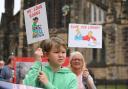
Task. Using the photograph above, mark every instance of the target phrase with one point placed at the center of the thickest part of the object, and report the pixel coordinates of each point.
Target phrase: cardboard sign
(85, 36)
(36, 23)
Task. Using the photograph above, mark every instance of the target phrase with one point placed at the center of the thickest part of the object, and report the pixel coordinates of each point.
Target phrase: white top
(80, 82)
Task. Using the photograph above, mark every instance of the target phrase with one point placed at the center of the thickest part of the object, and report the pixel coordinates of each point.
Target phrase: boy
(51, 76)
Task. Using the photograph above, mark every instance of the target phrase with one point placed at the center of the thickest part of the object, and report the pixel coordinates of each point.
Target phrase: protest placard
(85, 36)
(36, 23)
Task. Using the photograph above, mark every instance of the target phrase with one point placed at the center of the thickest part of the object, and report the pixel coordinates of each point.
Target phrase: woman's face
(76, 62)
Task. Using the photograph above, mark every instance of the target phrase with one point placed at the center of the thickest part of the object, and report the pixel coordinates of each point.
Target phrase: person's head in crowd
(10, 61)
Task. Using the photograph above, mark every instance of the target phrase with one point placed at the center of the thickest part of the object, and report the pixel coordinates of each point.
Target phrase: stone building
(110, 61)
(8, 35)
(12, 33)
(106, 63)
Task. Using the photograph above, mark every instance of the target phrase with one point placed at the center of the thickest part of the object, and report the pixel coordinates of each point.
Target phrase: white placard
(36, 23)
(85, 36)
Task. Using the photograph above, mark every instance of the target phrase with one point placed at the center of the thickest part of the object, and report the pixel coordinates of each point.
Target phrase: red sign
(31, 59)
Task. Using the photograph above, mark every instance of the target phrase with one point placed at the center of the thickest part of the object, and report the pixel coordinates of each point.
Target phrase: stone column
(20, 44)
(21, 33)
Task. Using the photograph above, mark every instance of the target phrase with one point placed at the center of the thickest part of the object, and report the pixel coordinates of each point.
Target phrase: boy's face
(57, 56)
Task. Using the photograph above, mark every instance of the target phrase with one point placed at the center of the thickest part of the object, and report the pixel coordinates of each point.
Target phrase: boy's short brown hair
(57, 42)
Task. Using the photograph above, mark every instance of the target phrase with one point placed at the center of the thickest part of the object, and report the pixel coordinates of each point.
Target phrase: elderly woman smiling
(78, 66)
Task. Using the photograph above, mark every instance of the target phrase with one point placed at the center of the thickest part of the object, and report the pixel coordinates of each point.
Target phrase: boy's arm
(32, 75)
(44, 80)
(73, 83)
(50, 86)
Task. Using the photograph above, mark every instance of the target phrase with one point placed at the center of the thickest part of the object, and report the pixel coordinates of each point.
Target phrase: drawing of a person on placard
(90, 38)
(78, 35)
(36, 28)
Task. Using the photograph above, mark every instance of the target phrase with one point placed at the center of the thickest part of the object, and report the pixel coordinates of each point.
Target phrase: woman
(78, 66)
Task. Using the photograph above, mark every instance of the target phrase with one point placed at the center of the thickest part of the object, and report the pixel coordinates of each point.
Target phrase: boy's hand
(43, 78)
(38, 54)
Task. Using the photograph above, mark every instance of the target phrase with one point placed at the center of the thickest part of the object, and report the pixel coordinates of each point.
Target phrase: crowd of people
(53, 75)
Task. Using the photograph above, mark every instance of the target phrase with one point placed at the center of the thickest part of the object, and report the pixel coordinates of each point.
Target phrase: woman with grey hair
(78, 66)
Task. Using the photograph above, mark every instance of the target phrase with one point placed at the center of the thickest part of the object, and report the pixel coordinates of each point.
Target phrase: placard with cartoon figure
(85, 36)
(36, 23)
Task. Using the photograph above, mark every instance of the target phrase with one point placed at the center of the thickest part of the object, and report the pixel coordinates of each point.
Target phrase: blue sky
(16, 6)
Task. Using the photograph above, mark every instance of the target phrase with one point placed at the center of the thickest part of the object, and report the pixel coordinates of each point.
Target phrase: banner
(6, 85)
(23, 64)
(36, 23)
(85, 36)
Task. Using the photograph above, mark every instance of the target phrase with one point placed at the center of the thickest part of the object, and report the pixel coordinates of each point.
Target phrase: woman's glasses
(76, 59)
